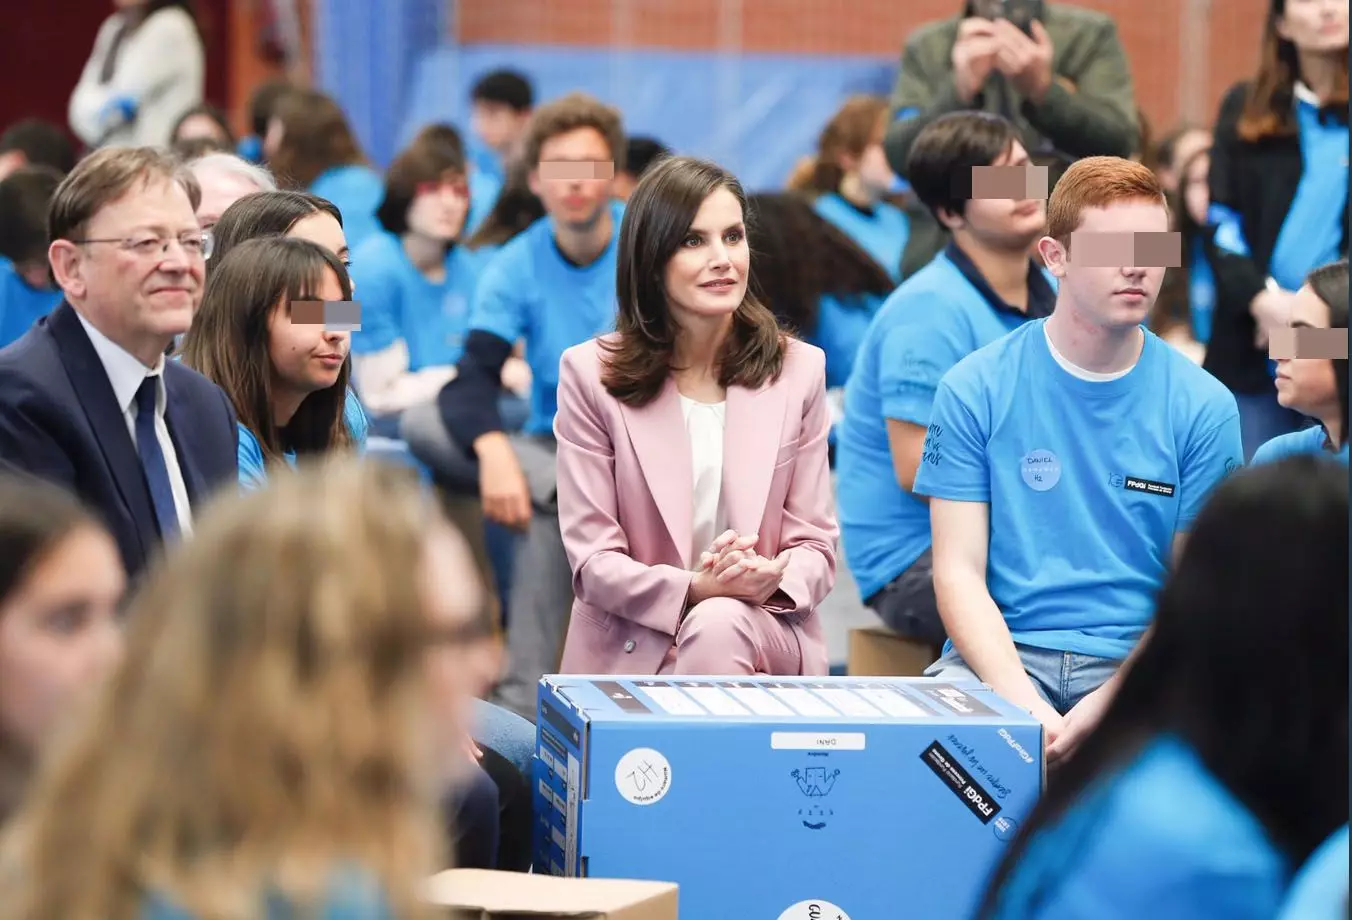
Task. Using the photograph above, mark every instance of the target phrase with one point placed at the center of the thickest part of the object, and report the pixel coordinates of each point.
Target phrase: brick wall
(1180, 68)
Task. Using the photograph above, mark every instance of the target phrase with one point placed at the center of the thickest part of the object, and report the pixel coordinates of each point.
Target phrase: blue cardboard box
(784, 798)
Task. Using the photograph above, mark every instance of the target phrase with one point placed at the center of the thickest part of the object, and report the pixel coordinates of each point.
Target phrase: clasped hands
(731, 567)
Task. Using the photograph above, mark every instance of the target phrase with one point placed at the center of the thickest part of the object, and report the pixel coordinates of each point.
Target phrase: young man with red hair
(1065, 461)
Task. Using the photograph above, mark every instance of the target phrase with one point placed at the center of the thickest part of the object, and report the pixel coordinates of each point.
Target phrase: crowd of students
(662, 418)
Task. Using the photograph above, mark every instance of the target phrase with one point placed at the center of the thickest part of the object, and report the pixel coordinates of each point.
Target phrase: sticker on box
(814, 910)
(643, 776)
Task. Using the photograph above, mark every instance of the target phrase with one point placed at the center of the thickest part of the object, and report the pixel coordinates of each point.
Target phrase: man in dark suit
(87, 398)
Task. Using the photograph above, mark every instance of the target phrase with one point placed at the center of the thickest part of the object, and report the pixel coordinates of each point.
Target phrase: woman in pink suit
(694, 491)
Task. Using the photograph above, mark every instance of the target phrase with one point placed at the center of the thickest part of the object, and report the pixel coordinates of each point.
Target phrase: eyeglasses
(195, 243)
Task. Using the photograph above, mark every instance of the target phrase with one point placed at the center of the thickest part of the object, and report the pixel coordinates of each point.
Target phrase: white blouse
(704, 425)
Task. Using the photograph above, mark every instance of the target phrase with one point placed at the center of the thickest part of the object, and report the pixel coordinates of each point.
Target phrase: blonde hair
(269, 725)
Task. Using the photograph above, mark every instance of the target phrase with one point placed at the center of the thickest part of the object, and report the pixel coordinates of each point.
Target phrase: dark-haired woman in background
(147, 68)
(1279, 187)
(204, 122)
(850, 181)
(815, 279)
(1194, 795)
(1186, 303)
(1315, 387)
(310, 146)
(284, 371)
(291, 214)
(694, 489)
(61, 587)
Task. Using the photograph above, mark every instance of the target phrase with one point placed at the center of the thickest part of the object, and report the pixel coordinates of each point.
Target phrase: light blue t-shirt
(1306, 441)
(399, 302)
(935, 319)
(1312, 232)
(1088, 482)
(21, 305)
(483, 194)
(841, 325)
(357, 191)
(1201, 292)
(882, 234)
(253, 471)
(529, 290)
(1320, 889)
(353, 894)
(1160, 839)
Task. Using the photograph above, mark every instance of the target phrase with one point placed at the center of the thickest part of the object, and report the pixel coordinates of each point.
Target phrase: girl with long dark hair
(1315, 387)
(1279, 190)
(1202, 788)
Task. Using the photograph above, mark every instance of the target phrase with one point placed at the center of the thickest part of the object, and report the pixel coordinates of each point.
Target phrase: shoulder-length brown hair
(1269, 107)
(656, 220)
(228, 342)
(316, 137)
(268, 730)
(857, 124)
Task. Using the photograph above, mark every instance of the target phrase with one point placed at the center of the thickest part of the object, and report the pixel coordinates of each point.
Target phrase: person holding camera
(1057, 71)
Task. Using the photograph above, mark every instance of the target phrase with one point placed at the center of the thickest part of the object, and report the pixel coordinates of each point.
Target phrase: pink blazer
(626, 507)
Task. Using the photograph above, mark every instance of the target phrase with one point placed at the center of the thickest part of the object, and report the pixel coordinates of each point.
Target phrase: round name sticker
(1041, 470)
(814, 910)
(643, 776)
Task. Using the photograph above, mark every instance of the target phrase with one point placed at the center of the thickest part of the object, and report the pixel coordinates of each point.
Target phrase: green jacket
(1097, 118)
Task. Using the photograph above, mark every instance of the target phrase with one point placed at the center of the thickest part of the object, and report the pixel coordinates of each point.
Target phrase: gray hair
(232, 165)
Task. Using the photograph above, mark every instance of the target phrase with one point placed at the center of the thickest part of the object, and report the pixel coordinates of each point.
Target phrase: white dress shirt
(704, 425)
(126, 373)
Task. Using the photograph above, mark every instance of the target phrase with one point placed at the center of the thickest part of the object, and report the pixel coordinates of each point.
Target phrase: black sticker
(562, 725)
(955, 700)
(621, 697)
(945, 766)
(1149, 486)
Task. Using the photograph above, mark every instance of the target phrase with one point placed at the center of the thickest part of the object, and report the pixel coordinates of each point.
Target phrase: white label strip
(674, 701)
(847, 702)
(759, 702)
(804, 702)
(715, 700)
(894, 704)
(817, 741)
(570, 828)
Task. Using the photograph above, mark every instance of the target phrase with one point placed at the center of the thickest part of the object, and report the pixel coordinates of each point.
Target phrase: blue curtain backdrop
(394, 69)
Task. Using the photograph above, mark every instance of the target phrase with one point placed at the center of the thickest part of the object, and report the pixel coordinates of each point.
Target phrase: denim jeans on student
(1061, 678)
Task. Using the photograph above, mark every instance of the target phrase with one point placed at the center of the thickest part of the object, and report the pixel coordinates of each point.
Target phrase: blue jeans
(1061, 678)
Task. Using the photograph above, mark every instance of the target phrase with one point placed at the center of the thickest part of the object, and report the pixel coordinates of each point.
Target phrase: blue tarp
(754, 114)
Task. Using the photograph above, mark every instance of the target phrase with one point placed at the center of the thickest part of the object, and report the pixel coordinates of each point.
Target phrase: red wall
(40, 69)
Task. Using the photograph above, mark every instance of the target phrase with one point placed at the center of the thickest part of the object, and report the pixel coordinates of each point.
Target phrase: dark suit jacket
(60, 421)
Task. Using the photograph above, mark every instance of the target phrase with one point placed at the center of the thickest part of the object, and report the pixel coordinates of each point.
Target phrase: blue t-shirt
(399, 303)
(1306, 441)
(1201, 292)
(1160, 838)
(357, 191)
(530, 290)
(1312, 232)
(353, 894)
(483, 194)
(841, 325)
(882, 234)
(21, 305)
(1088, 482)
(935, 319)
(253, 471)
(1319, 891)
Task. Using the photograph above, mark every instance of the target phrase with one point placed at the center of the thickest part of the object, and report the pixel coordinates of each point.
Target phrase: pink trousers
(725, 637)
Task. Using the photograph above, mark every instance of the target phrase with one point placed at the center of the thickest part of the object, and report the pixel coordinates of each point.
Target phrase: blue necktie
(152, 459)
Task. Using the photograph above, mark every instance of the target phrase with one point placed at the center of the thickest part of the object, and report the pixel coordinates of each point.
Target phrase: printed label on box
(643, 776)
(980, 802)
(814, 910)
(957, 701)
